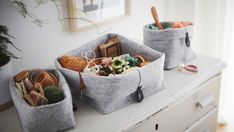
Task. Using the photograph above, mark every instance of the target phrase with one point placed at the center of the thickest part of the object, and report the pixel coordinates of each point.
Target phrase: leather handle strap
(139, 95)
(187, 39)
(82, 86)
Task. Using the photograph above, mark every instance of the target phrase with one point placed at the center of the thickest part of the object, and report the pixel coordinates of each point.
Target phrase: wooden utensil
(155, 16)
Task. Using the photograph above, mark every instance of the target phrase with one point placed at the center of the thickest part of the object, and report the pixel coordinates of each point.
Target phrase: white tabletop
(88, 120)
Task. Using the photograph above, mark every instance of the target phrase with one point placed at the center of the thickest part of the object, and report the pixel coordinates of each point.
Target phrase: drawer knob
(205, 101)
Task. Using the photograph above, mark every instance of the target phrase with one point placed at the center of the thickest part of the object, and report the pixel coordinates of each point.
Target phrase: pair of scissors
(190, 68)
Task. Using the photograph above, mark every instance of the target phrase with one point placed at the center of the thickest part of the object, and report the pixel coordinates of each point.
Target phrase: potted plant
(5, 68)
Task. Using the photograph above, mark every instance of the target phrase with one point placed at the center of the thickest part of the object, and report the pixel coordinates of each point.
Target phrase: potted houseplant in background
(5, 68)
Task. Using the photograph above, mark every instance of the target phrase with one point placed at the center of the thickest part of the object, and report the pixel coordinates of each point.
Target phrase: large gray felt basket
(172, 43)
(107, 94)
(45, 118)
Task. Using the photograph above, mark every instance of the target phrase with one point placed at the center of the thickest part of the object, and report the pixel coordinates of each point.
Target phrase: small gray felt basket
(107, 94)
(45, 118)
(172, 42)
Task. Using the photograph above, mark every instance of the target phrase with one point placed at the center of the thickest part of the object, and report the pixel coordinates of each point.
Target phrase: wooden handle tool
(155, 16)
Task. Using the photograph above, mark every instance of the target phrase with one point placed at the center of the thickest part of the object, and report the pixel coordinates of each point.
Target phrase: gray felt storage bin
(45, 118)
(172, 43)
(107, 94)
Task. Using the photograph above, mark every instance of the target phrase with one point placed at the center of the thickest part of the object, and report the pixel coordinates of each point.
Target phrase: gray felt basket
(172, 43)
(107, 94)
(45, 118)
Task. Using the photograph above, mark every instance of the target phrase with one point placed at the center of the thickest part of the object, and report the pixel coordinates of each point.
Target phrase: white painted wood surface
(179, 84)
(184, 112)
(205, 124)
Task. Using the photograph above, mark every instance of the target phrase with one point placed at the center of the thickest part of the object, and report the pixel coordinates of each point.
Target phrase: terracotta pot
(5, 74)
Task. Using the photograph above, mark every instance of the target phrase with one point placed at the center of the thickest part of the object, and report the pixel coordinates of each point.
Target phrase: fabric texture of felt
(107, 94)
(45, 118)
(171, 42)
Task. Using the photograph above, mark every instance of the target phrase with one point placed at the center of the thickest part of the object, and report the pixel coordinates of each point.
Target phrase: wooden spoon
(155, 16)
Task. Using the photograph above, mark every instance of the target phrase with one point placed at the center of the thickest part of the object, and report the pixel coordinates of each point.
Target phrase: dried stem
(40, 22)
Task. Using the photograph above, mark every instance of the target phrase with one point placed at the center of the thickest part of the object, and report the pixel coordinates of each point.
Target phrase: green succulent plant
(4, 42)
(53, 94)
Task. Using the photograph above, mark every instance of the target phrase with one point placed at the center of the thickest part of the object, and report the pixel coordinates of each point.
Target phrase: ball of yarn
(53, 94)
(166, 25)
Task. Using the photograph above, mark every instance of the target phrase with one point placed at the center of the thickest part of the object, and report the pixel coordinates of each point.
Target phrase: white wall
(41, 45)
(207, 16)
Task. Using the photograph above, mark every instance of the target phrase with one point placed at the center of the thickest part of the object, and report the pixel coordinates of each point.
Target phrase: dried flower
(119, 64)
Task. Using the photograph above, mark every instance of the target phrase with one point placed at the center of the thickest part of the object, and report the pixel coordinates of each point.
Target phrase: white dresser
(189, 103)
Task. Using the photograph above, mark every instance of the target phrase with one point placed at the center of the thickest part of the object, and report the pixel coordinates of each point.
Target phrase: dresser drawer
(206, 124)
(186, 111)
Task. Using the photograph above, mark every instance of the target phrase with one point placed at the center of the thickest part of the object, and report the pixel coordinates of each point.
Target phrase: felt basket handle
(187, 40)
(139, 96)
(82, 86)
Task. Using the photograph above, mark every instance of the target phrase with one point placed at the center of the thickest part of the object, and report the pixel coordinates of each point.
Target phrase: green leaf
(5, 41)
(7, 53)
(3, 30)
(3, 46)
